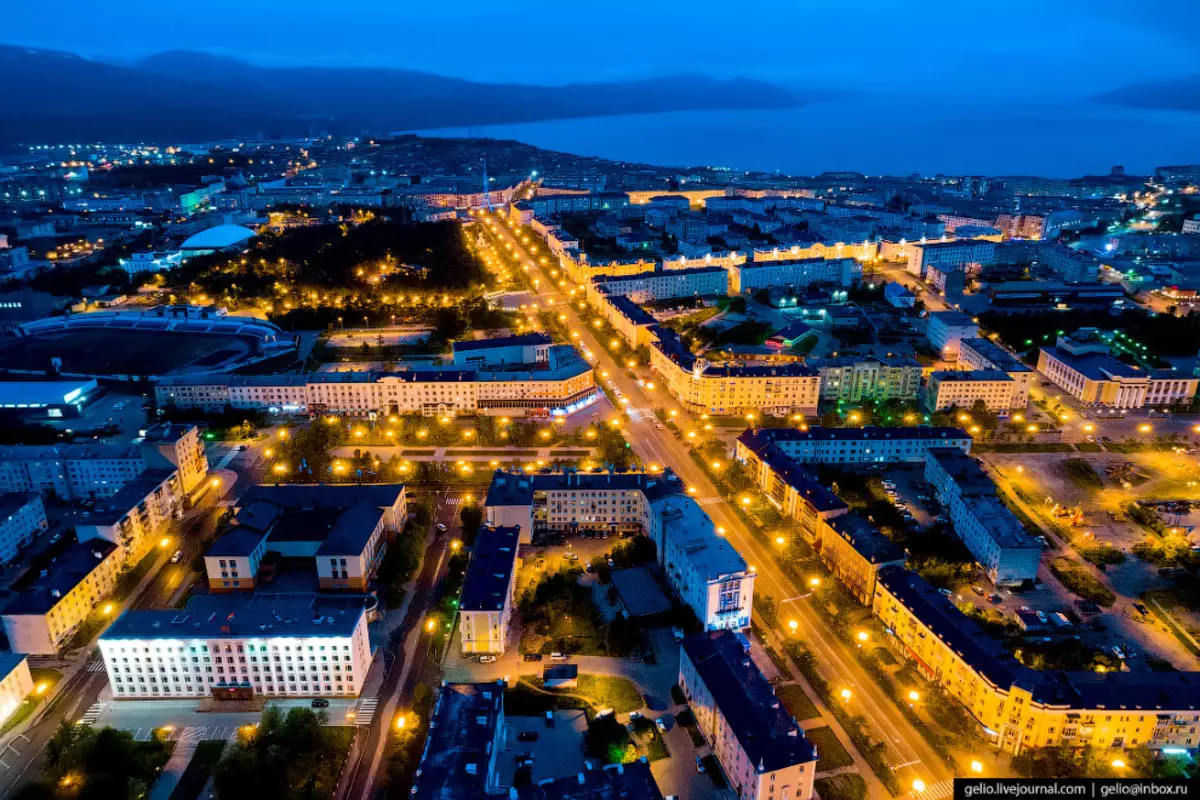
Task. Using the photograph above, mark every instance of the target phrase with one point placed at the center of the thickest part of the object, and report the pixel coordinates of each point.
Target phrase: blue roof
(526, 340)
(766, 731)
(9, 662)
(342, 516)
(458, 749)
(751, 437)
(633, 781)
(236, 616)
(866, 539)
(806, 485)
(996, 355)
(485, 586)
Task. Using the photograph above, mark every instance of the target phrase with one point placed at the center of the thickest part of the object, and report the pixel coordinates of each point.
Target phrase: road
(835, 658)
(403, 658)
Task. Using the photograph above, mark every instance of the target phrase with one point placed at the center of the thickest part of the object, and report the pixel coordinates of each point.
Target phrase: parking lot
(557, 751)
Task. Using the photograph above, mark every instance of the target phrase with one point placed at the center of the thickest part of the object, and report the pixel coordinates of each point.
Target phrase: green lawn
(1077, 579)
(830, 752)
(796, 701)
(30, 704)
(841, 787)
(619, 694)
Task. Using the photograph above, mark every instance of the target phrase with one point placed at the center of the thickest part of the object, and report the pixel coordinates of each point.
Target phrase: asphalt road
(907, 749)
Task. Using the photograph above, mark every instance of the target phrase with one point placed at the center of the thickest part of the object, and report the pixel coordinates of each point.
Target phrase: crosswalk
(935, 791)
(92, 714)
(96, 665)
(710, 501)
(366, 710)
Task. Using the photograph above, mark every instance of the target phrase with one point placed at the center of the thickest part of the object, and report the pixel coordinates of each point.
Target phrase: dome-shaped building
(215, 239)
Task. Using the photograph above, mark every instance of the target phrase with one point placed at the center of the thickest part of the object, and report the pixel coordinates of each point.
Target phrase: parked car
(533, 656)
(441, 527)
(634, 715)
(995, 599)
(320, 702)
(699, 764)
(487, 659)
(571, 556)
(177, 556)
(55, 538)
(558, 657)
(662, 726)
(977, 590)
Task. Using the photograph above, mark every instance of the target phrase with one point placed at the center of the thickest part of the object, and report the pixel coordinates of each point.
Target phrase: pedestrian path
(935, 791)
(710, 501)
(92, 714)
(96, 665)
(366, 710)
(185, 748)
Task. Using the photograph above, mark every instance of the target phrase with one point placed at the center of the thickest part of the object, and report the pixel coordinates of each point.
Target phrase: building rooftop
(658, 273)
(866, 539)
(69, 570)
(996, 355)
(342, 516)
(770, 737)
(235, 616)
(952, 319)
(630, 310)
(12, 502)
(969, 478)
(526, 340)
(969, 376)
(1000, 523)
(9, 662)
(37, 394)
(1098, 366)
(112, 510)
(639, 592)
(806, 485)
(510, 489)
(458, 749)
(633, 781)
(711, 556)
(485, 586)
(168, 431)
(757, 437)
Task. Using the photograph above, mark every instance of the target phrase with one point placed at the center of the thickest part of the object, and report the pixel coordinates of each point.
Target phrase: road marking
(365, 713)
(96, 664)
(935, 792)
(3, 764)
(710, 501)
(89, 716)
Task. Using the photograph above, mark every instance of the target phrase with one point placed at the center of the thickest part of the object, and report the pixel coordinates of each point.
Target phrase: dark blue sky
(982, 48)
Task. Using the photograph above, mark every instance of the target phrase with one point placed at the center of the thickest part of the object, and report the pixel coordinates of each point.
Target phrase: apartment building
(137, 516)
(649, 287)
(563, 384)
(1097, 379)
(791, 273)
(238, 647)
(177, 446)
(862, 251)
(868, 445)
(703, 387)
(954, 389)
(946, 329)
(955, 255)
(343, 528)
(851, 548)
(707, 573)
(609, 782)
(984, 354)
(489, 592)
(42, 617)
(1072, 266)
(16, 683)
(996, 538)
(852, 379)
(630, 320)
(22, 517)
(466, 736)
(761, 749)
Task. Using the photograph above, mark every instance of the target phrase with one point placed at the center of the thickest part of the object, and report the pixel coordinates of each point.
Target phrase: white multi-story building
(951, 389)
(562, 385)
(709, 576)
(22, 517)
(854, 379)
(958, 254)
(793, 273)
(43, 616)
(1097, 379)
(1073, 266)
(947, 329)
(239, 647)
(977, 354)
(648, 287)
(761, 749)
(996, 538)
(489, 592)
(853, 445)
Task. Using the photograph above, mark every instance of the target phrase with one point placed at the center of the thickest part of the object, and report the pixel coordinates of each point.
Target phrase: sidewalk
(185, 748)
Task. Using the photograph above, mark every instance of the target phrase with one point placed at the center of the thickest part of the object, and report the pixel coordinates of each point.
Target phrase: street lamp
(814, 582)
(918, 785)
(977, 766)
(792, 625)
(914, 696)
(846, 694)
(1118, 763)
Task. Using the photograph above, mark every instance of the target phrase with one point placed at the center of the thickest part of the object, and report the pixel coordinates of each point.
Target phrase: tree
(288, 757)
(471, 517)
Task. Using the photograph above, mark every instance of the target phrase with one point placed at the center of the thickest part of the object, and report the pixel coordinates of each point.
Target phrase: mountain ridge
(59, 96)
(1175, 94)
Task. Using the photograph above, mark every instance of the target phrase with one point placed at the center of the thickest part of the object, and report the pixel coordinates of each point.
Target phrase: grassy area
(1171, 607)
(1017, 447)
(524, 700)
(1079, 472)
(830, 752)
(619, 694)
(198, 771)
(1089, 447)
(796, 701)
(841, 787)
(686, 720)
(649, 740)
(1081, 582)
(42, 677)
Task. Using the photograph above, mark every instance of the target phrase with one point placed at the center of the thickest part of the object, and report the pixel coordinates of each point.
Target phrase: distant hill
(1178, 94)
(61, 97)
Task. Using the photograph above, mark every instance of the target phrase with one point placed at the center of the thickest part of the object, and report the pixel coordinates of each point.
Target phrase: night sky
(969, 48)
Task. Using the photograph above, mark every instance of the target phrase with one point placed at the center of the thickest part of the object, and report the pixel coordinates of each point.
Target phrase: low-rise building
(707, 573)
(466, 736)
(899, 296)
(489, 592)
(42, 617)
(955, 389)
(16, 683)
(1096, 379)
(996, 538)
(868, 445)
(22, 517)
(238, 647)
(795, 273)
(955, 255)
(530, 348)
(947, 329)
(853, 379)
(761, 749)
(978, 353)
